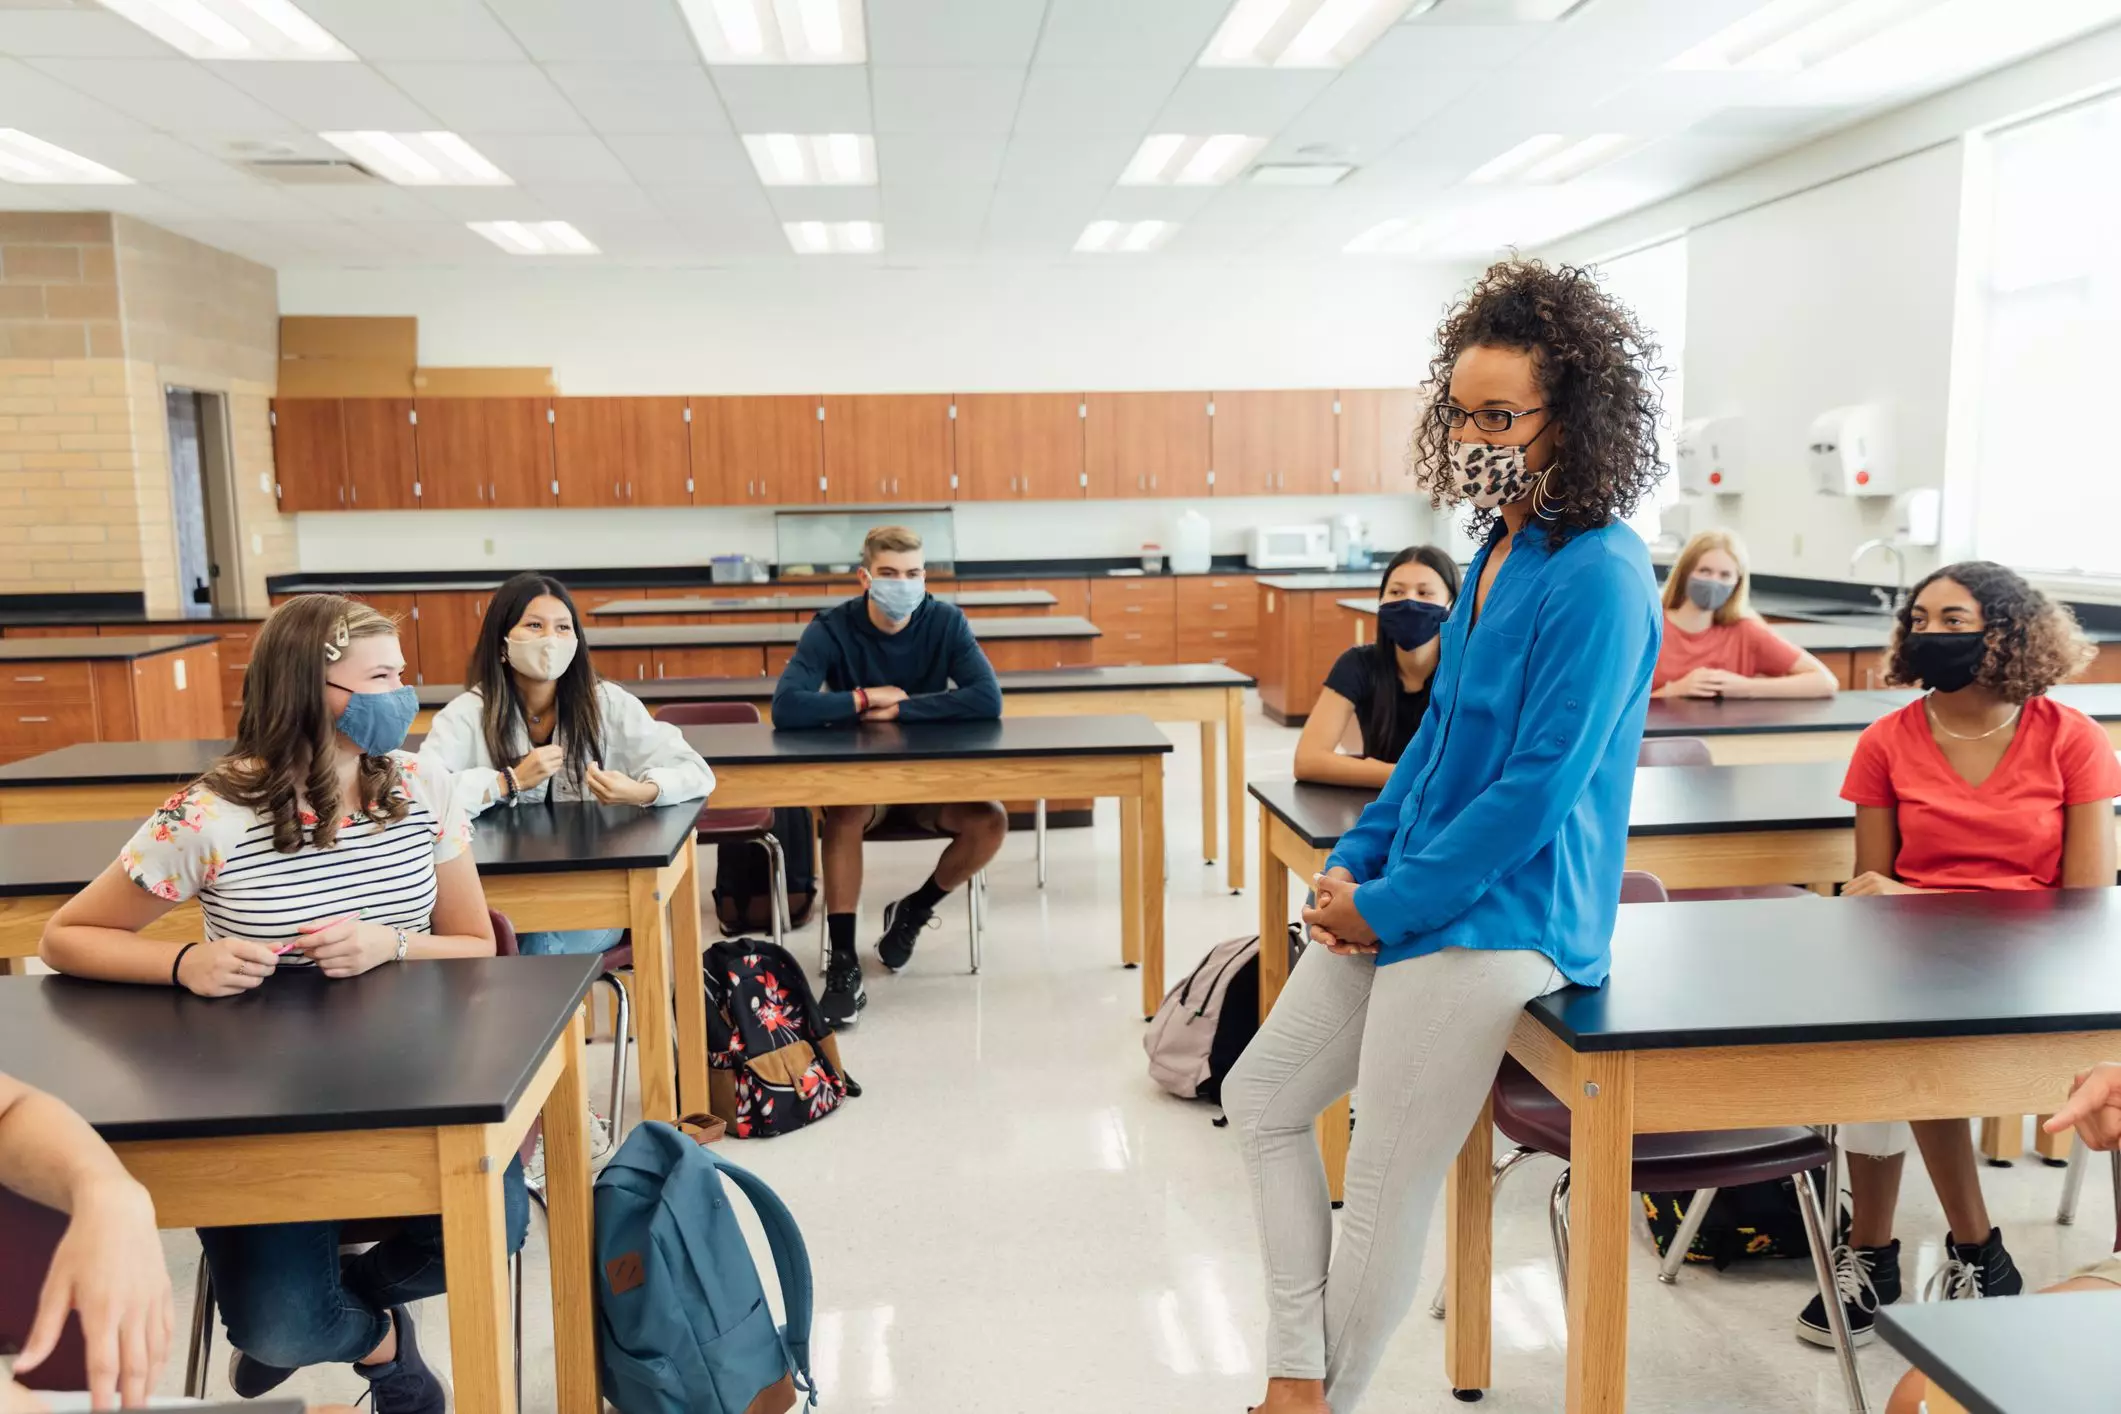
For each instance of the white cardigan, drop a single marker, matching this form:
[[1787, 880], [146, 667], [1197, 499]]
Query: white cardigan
[[634, 743]]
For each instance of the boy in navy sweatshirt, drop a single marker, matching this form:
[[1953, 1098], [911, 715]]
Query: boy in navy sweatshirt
[[893, 655]]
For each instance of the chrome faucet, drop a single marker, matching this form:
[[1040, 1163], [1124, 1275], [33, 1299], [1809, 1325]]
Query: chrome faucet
[[1888, 603]]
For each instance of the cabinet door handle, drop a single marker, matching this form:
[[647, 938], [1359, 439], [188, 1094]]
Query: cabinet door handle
[[629, 490], [29, 677], [32, 719], [1134, 608], [1219, 608], [614, 490], [1152, 483]]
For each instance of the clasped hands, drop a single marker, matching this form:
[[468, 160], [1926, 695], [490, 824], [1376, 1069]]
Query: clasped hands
[[1333, 920]]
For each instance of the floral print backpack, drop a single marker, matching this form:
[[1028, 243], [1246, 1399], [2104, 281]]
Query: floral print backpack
[[774, 1064]]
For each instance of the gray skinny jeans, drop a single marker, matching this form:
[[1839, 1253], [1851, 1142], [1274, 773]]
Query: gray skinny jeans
[[1419, 1077]]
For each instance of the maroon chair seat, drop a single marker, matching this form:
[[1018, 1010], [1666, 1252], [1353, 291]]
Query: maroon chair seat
[[29, 1234], [619, 956], [737, 823], [1732, 891]]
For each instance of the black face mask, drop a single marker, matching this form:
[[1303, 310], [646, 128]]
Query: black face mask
[[1946, 662], [1410, 623]]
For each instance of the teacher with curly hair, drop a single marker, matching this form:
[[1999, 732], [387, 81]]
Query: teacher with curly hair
[[1488, 871]]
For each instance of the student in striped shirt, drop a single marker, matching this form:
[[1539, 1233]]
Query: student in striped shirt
[[314, 843]]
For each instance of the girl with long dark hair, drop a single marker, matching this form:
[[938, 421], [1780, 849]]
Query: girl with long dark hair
[[536, 723], [1378, 692]]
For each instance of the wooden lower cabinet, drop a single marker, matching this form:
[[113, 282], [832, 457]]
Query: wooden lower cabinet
[[1138, 619], [49, 704], [709, 663], [449, 623], [623, 664], [1071, 597], [1218, 620], [1012, 655], [1300, 635]]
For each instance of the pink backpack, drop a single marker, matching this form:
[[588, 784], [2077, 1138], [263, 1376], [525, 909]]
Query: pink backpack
[[1204, 1023]]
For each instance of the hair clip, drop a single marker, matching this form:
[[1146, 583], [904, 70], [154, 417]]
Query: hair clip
[[334, 649]]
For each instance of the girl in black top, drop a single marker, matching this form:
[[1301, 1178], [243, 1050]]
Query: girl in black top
[[1377, 692]]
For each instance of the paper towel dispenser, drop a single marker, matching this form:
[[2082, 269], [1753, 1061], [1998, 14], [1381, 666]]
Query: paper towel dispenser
[[1851, 451], [1711, 456]]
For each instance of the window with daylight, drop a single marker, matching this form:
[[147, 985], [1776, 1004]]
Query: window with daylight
[[2043, 462], [1652, 282]]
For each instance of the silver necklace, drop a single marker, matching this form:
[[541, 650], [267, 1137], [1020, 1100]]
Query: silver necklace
[[1938, 722]]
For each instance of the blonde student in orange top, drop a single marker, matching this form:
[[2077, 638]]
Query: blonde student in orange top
[[1714, 644], [1983, 782]]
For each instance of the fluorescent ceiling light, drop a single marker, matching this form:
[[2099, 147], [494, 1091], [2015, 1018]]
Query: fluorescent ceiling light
[[1402, 235], [1165, 159], [1107, 237], [778, 31], [535, 237], [420, 159], [1299, 34], [1509, 164], [234, 29], [835, 237], [813, 159], [1298, 174], [34, 162], [1550, 157], [1795, 34]]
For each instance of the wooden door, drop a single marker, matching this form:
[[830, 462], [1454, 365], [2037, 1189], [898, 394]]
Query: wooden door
[[621, 451], [309, 454], [1147, 444], [758, 451], [405, 609], [887, 447], [1376, 432], [449, 626], [1019, 447], [382, 465], [623, 664], [477, 453], [1274, 443]]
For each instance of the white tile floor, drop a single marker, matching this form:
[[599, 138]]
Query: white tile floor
[[1013, 1220]]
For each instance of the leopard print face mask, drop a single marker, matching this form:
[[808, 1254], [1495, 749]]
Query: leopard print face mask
[[1490, 476]]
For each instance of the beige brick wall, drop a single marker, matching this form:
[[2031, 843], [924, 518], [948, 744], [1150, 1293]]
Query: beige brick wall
[[58, 286]]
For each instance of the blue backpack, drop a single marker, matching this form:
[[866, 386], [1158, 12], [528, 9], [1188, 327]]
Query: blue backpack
[[682, 1323]]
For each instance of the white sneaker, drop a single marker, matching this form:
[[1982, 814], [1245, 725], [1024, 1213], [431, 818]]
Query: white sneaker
[[596, 1132]]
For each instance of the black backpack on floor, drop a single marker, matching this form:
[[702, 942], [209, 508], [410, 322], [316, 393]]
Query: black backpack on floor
[[743, 877], [1749, 1221]]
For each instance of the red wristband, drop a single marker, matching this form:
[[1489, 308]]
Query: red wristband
[[861, 699]]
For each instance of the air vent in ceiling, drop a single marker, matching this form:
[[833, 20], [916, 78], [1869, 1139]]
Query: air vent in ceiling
[[314, 172]]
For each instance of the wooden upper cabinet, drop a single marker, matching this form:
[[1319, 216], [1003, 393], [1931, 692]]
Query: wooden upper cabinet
[[1376, 433], [1019, 447], [758, 451], [481, 452], [1147, 444], [382, 465], [1274, 443], [887, 447], [309, 454], [622, 451]]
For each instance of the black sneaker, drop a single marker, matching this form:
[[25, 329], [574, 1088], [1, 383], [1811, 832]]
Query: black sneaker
[[404, 1385], [252, 1378], [1866, 1278], [844, 998], [902, 929], [1975, 1269]]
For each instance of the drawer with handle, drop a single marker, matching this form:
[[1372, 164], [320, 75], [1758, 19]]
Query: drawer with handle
[[30, 730], [37, 684]]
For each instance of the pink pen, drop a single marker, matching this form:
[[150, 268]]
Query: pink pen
[[285, 948]]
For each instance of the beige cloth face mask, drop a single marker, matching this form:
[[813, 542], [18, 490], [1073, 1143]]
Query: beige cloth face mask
[[541, 658]]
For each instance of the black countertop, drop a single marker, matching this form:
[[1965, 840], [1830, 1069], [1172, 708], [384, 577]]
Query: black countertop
[[786, 635], [1137, 678], [115, 763], [818, 603], [1844, 712], [88, 649], [1902, 967], [2052, 1353], [1314, 581], [758, 744], [429, 1043]]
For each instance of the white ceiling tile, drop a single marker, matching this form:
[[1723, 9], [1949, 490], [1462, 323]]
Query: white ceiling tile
[[78, 34], [825, 203], [937, 214], [148, 203], [656, 241], [584, 203], [1039, 220], [1468, 50], [1089, 161], [603, 29], [953, 100], [807, 98], [971, 32], [40, 104], [673, 97], [379, 202], [683, 202], [1256, 101], [148, 156], [1172, 203], [708, 159], [726, 223], [492, 98], [554, 157], [1166, 33], [431, 30], [15, 197], [244, 201], [175, 95], [488, 203], [327, 97], [939, 159], [1060, 101]]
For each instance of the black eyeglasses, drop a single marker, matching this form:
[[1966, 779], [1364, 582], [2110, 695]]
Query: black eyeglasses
[[1486, 419]]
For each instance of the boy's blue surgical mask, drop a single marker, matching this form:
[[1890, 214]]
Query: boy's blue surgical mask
[[896, 599]]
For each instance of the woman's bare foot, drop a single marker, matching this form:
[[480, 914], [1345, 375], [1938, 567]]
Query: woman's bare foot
[[1294, 1397]]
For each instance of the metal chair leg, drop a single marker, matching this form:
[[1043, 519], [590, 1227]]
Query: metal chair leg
[[779, 902], [202, 1333], [515, 1266], [1039, 823], [1697, 1211], [1558, 1226], [1504, 1167], [2072, 1185], [1821, 1240], [621, 1049], [974, 887]]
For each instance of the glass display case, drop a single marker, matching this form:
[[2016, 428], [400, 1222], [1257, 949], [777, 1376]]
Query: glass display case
[[830, 541]]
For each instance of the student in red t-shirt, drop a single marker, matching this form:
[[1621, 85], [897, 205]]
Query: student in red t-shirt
[[1984, 782], [1714, 644]]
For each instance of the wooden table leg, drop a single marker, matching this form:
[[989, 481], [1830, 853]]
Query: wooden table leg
[[688, 983], [2052, 1147], [1130, 881], [1601, 1164], [651, 997], [1333, 1136], [1936, 1401], [1209, 816], [14, 967], [1469, 1257], [1152, 884], [1273, 921], [1234, 785], [2003, 1138], [475, 1264], [567, 1202]]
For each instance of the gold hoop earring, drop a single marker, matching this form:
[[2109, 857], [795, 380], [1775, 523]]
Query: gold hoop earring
[[1540, 499]]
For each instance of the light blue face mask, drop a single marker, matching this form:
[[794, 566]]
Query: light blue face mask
[[377, 721], [896, 599]]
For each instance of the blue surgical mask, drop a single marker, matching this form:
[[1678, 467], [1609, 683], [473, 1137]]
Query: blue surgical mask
[[1410, 623], [896, 599], [377, 721]]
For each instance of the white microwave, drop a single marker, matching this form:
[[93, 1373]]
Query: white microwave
[[1291, 547]]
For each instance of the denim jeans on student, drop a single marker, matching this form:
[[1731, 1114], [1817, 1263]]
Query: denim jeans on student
[[573, 941], [287, 1301]]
